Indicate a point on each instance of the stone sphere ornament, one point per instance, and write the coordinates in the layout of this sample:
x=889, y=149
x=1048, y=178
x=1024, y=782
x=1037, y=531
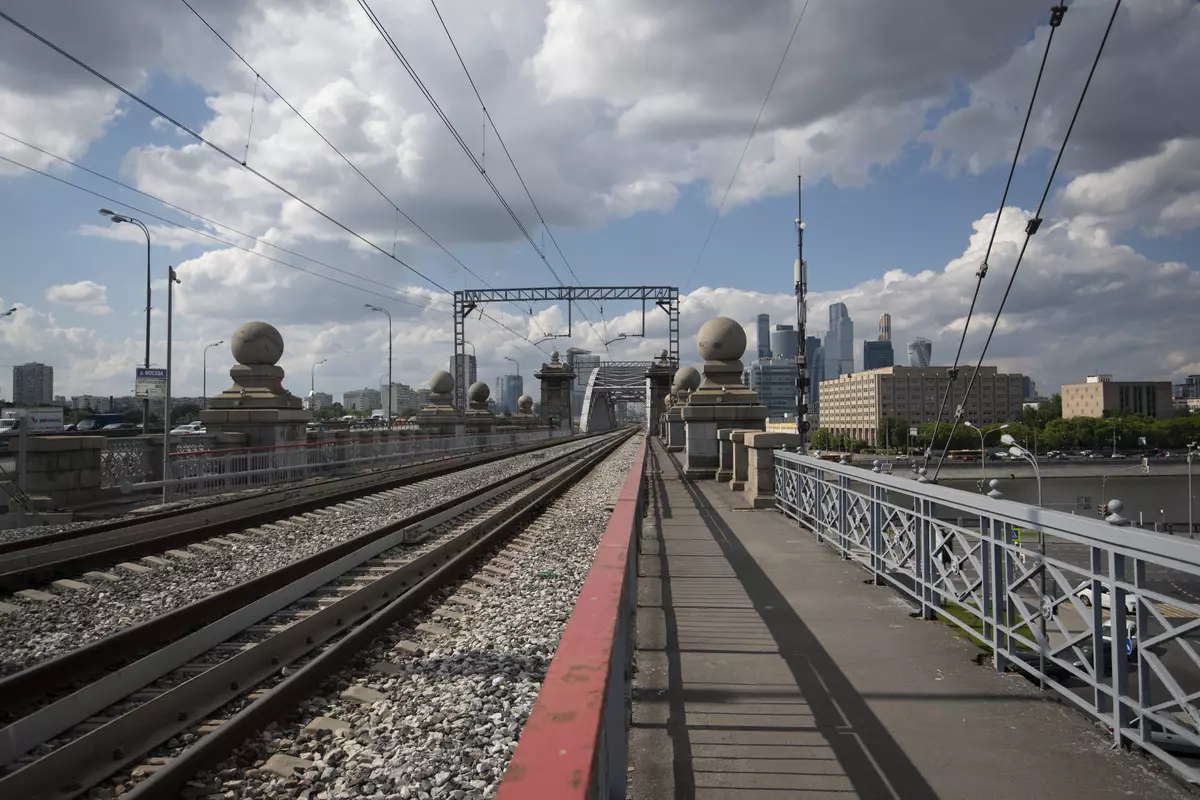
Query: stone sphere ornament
x=257, y=344
x=441, y=382
x=721, y=339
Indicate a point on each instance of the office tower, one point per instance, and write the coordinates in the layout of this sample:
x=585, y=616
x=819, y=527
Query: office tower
x=513, y=388
x=470, y=370
x=878, y=354
x=784, y=343
x=839, y=342
x=764, y=335
x=885, y=327
x=814, y=354
x=920, y=353
x=33, y=384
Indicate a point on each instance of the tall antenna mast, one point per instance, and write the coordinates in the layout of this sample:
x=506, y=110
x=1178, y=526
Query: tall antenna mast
x=801, y=286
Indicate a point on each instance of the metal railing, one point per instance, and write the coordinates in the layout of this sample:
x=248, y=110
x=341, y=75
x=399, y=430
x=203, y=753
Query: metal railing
x=575, y=743
x=196, y=471
x=124, y=461
x=1041, y=590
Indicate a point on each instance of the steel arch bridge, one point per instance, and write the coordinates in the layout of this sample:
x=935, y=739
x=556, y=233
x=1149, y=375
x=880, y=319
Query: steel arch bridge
x=610, y=383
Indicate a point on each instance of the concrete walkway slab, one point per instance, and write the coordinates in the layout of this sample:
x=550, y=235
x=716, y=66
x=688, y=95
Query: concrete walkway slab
x=768, y=668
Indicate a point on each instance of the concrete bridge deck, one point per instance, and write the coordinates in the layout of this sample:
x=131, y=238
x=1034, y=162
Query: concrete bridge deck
x=768, y=669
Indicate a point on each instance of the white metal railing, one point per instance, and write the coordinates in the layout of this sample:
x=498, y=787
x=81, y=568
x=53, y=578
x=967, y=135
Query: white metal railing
x=217, y=471
x=1040, y=589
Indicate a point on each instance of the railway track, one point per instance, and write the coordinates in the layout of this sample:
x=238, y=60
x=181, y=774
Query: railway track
x=40, y=559
x=319, y=613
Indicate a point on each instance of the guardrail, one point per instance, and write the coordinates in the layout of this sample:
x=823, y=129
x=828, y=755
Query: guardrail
x=1041, y=590
x=199, y=472
x=575, y=743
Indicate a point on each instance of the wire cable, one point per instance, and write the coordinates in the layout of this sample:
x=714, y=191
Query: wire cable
x=399, y=211
x=1056, y=17
x=712, y=226
x=198, y=137
x=1032, y=225
x=500, y=139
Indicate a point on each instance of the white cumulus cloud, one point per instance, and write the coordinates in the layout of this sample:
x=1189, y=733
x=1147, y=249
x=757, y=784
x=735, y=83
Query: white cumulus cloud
x=86, y=296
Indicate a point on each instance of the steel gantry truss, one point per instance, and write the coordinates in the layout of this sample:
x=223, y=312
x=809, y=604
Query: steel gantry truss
x=467, y=300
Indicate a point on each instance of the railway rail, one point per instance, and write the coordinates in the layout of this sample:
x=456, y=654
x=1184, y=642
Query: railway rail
x=86, y=724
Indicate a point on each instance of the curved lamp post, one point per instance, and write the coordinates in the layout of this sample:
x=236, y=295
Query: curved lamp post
x=204, y=363
x=115, y=218
x=387, y=412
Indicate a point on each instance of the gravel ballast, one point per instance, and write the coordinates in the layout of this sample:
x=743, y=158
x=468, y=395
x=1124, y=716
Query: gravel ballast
x=450, y=716
x=38, y=629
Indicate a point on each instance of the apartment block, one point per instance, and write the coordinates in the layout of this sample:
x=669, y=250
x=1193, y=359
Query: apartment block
x=1100, y=394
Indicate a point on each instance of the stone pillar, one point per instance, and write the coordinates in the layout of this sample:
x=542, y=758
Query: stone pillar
x=725, y=454
x=63, y=471
x=685, y=382
x=257, y=405
x=760, y=483
x=480, y=422
x=440, y=417
x=659, y=375
x=737, y=438
x=721, y=401
x=556, y=378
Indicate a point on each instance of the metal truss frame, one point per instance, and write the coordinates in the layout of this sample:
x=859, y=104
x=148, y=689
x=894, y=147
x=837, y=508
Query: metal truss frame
x=467, y=300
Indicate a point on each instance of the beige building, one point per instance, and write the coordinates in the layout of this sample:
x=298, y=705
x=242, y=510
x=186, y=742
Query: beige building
x=1100, y=394
x=855, y=405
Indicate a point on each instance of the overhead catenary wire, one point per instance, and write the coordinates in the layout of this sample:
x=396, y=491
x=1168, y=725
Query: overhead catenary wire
x=412, y=73
x=1057, y=13
x=504, y=147
x=737, y=168
x=1035, y=222
x=221, y=151
x=399, y=211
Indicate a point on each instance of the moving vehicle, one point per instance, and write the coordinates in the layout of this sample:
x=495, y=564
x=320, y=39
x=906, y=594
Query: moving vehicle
x=189, y=429
x=1085, y=594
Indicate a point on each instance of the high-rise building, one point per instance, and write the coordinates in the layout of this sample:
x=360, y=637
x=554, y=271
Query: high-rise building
x=878, y=354
x=764, y=335
x=885, y=328
x=317, y=401
x=364, y=401
x=403, y=397
x=1028, y=387
x=814, y=354
x=512, y=387
x=33, y=384
x=785, y=343
x=856, y=405
x=1102, y=394
x=839, y=342
x=920, y=353
x=775, y=381
x=469, y=370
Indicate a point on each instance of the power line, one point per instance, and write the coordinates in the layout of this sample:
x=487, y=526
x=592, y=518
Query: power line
x=412, y=73
x=1035, y=222
x=258, y=77
x=746, y=147
x=1056, y=17
x=500, y=139
x=198, y=137
x=212, y=222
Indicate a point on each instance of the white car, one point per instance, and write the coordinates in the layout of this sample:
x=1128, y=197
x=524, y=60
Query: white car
x=190, y=429
x=1085, y=594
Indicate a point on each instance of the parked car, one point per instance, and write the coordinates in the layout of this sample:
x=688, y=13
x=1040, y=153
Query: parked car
x=189, y=429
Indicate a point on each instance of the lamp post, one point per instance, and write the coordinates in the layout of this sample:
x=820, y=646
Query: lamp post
x=204, y=362
x=387, y=412
x=983, y=447
x=1021, y=452
x=1193, y=448
x=803, y=389
x=312, y=382
x=172, y=279
x=115, y=217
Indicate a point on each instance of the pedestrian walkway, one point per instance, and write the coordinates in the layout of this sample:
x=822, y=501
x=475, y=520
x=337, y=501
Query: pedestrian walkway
x=767, y=668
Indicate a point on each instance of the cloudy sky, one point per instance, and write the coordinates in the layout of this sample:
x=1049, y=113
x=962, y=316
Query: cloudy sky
x=626, y=119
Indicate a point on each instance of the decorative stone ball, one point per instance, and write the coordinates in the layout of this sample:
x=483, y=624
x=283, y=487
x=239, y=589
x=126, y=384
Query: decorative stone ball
x=478, y=392
x=525, y=403
x=721, y=339
x=687, y=379
x=257, y=344
x=441, y=382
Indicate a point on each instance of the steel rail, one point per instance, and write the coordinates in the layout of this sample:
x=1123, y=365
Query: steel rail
x=74, y=767
x=281, y=699
x=47, y=680
x=40, y=562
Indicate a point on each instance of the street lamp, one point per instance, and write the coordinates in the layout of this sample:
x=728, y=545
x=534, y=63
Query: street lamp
x=1193, y=449
x=204, y=362
x=983, y=447
x=115, y=217
x=1021, y=452
x=312, y=382
x=172, y=279
x=387, y=413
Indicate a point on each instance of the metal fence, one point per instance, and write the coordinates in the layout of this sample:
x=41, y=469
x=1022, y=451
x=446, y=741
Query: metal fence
x=575, y=743
x=1040, y=590
x=124, y=462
